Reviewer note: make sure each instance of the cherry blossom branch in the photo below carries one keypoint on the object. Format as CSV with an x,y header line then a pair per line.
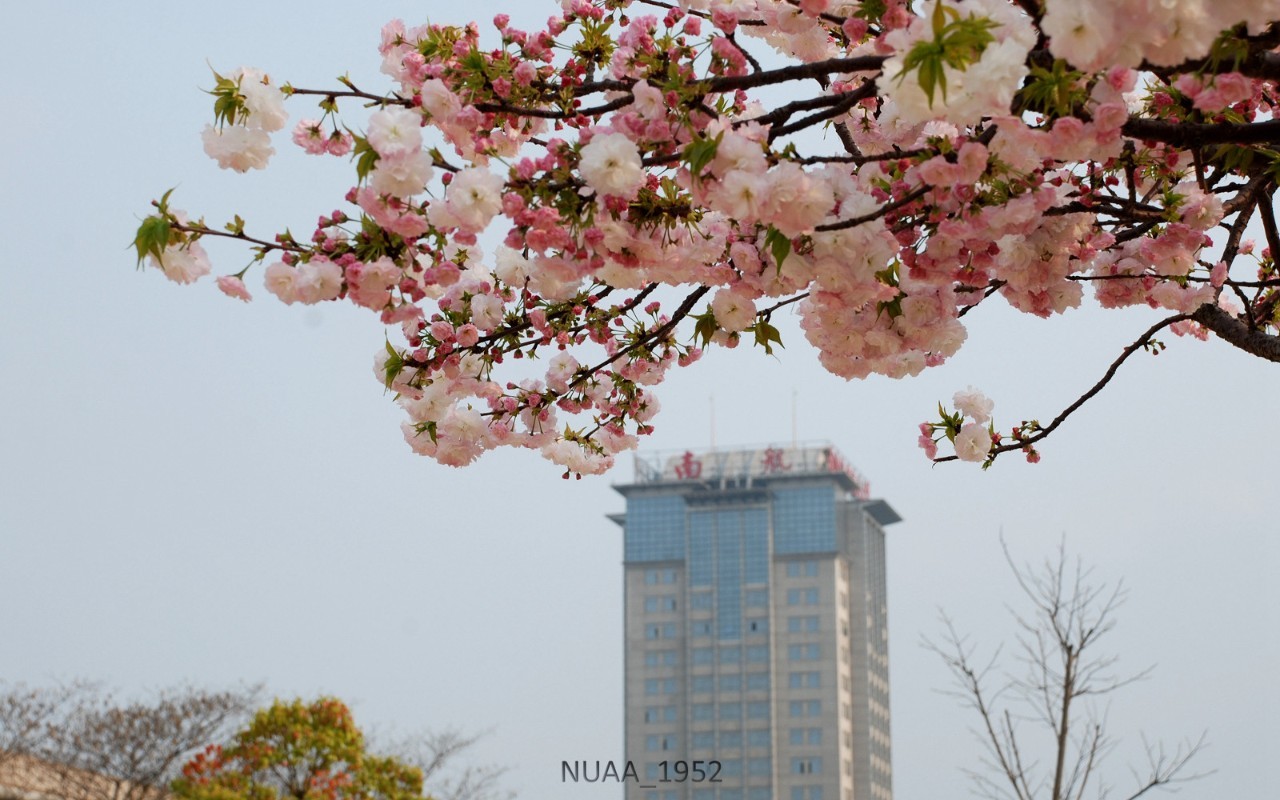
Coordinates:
x,y
853,222
656,335
1185,135
842,106
1141,342
1238,333
204,230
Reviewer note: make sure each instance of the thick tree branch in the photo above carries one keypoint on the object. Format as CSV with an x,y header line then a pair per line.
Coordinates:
x,y
1234,331
1186,135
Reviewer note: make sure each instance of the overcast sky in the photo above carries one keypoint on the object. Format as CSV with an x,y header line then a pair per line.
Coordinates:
x,y
194,489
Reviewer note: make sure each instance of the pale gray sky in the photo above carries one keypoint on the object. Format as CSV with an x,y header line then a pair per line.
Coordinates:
x,y
196,489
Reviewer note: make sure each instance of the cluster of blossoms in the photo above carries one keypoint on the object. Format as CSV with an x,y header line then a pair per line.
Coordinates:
x,y
639,201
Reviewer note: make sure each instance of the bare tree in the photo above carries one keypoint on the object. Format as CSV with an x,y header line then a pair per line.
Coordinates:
x,y
1052,699
28,714
91,746
80,742
438,754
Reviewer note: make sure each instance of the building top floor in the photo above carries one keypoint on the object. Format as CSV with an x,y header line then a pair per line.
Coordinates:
x,y
745,467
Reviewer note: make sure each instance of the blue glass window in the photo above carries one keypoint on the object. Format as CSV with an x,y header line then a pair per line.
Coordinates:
x,y
804,520
654,530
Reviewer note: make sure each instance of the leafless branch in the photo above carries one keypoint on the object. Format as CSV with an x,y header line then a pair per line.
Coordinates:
x,y
1061,675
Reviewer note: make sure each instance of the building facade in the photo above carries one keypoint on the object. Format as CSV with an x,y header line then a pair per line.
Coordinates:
x,y
756,631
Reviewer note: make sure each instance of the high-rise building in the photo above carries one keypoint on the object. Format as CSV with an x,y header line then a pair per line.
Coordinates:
x,y
756,628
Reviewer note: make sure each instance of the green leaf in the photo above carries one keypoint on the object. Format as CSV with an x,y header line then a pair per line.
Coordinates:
x,y
153,237
705,328
779,244
394,366
699,153
766,334
366,157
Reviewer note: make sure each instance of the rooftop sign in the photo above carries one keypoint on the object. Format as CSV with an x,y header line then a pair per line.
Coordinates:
x,y
743,465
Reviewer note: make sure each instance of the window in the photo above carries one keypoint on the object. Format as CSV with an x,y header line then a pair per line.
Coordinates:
x,y
757,710
803,736
660,714
758,738
703,655
656,686
804,652
702,684
805,708
804,624
759,766
700,601
701,629
757,681
731,740
806,793
665,658
802,569
704,711
664,631
731,712
730,768
806,765
656,577
758,654
659,743
730,683
756,598
760,793
705,740
731,655
660,602
758,625
804,680
802,597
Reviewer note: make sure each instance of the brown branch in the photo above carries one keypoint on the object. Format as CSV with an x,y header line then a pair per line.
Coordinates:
x,y
853,222
1139,343
1185,135
203,230
1236,332
814,69
656,335
842,106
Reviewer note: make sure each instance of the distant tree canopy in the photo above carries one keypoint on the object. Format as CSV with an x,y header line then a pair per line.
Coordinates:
x,y
304,751
80,742
88,745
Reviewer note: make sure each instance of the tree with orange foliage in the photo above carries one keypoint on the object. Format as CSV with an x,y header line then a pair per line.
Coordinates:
x,y
305,751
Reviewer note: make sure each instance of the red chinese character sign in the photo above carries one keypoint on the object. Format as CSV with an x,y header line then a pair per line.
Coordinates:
x,y
774,461
979,151
689,467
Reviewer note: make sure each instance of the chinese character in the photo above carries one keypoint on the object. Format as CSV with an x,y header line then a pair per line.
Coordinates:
x,y
773,460
689,467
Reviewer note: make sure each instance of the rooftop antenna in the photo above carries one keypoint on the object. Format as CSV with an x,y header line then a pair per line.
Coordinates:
x,y
795,441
